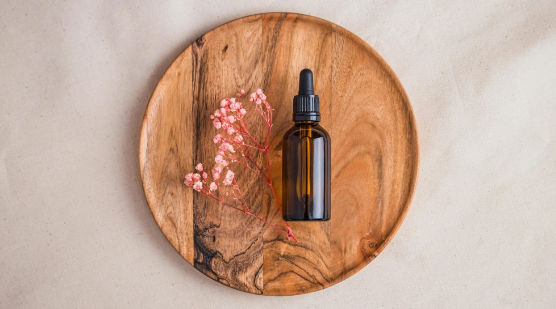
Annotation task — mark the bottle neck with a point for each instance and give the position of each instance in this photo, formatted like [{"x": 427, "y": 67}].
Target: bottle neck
[{"x": 306, "y": 123}]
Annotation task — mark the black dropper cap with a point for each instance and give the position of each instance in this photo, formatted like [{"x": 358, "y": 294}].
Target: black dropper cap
[{"x": 306, "y": 103}]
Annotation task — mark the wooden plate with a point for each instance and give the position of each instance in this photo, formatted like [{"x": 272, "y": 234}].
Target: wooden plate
[{"x": 374, "y": 153}]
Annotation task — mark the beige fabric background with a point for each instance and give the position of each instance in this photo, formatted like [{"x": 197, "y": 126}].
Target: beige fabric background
[{"x": 75, "y": 229}]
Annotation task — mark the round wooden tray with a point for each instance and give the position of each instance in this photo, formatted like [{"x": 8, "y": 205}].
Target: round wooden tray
[{"x": 374, "y": 153}]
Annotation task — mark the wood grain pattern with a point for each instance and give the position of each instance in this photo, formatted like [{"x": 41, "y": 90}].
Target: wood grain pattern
[{"x": 374, "y": 153}]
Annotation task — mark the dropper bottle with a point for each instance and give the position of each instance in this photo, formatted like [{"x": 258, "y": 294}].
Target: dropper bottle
[{"x": 306, "y": 159}]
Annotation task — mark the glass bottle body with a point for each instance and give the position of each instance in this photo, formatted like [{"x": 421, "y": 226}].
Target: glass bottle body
[{"x": 306, "y": 173}]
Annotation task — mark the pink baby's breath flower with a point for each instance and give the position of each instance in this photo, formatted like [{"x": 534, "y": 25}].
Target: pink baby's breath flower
[
  {"x": 235, "y": 106},
  {"x": 229, "y": 178},
  {"x": 188, "y": 179},
  {"x": 196, "y": 177},
  {"x": 227, "y": 147},
  {"x": 217, "y": 124},
  {"x": 198, "y": 186},
  {"x": 231, "y": 110},
  {"x": 218, "y": 159},
  {"x": 199, "y": 167}
]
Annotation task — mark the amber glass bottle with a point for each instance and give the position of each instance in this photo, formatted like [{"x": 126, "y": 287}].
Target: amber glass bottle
[{"x": 306, "y": 159}]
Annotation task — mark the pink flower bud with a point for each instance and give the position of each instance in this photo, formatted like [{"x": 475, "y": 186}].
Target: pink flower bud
[
  {"x": 218, "y": 158},
  {"x": 216, "y": 176},
  {"x": 223, "y": 103},
  {"x": 231, "y": 119},
  {"x": 217, "y": 124},
  {"x": 211, "y": 116},
  {"x": 242, "y": 91},
  {"x": 217, "y": 138},
  {"x": 196, "y": 177},
  {"x": 198, "y": 186},
  {"x": 199, "y": 167},
  {"x": 223, "y": 111},
  {"x": 217, "y": 113},
  {"x": 213, "y": 186},
  {"x": 231, "y": 130},
  {"x": 229, "y": 178},
  {"x": 188, "y": 179},
  {"x": 243, "y": 111},
  {"x": 258, "y": 101},
  {"x": 238, "y": 138},
  {"x": 205, "y": 175},
  {"x": 259, "y": 91}
]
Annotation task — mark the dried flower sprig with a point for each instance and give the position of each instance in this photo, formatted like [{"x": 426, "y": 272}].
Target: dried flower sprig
[{"x": 235, "y": 145}]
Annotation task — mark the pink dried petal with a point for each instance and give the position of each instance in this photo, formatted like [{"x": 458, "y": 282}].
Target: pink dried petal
[
  {"x": 243, "y": 111},
  {"x": 223, "y": 103},
  {"x": 259, "y": 91},
  {"x": 217, "y": 138},
  {"x": 231, "y": 130},
  {"x": 205, "y": 175}
]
